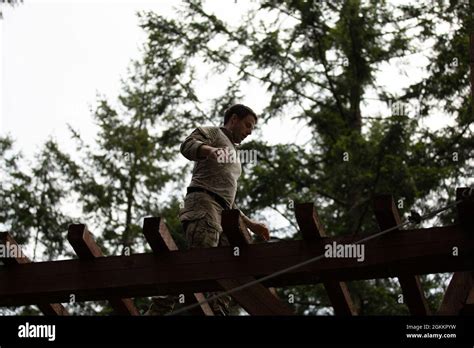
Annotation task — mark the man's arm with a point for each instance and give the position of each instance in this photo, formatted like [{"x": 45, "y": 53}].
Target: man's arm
[
  {"x": 256, "y": 227},
  {"x": 198, "y": 145}
]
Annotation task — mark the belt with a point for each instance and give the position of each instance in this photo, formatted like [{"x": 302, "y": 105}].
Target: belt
[{"x": 216, "y": 197}]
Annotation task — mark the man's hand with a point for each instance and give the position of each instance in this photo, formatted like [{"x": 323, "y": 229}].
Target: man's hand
[
  {"x": 259, "y": 229},
  {"x": 210, "y": 152}
]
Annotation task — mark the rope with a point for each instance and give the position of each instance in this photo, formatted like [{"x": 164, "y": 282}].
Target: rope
[{"x": 414, "y": 218}]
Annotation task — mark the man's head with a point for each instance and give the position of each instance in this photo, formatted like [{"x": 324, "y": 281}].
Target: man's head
[{"x": 240, "y": 120}]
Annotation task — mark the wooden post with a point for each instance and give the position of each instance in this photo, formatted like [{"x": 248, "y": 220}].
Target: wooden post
[
  {"x": 387, "y": 216},
  {"x": 465, "y": 210},
  {"x": 47, "y": 309},
  {"x": 457, "y": 298},
  {"x": 471, "y": 61},
  {"x": 83, "y": 243},
  {"x": 469, "y": 307},
  {"x": 161, "y": 242},
  {"x": 312, "y": 229},
  {"x": 256, "y": 299}
]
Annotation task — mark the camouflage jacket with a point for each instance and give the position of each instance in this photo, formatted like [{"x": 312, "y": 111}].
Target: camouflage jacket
[{"x": 216, "y": 176}]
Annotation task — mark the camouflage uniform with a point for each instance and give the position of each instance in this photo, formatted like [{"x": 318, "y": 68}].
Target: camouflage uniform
[
  {"x": 202, "y": 213},
  {"x": 220, "y": 178},
  {"x": 201, "y": 219}
]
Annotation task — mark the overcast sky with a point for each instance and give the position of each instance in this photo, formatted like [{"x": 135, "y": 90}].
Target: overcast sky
[{"x": 57, "y": 55}]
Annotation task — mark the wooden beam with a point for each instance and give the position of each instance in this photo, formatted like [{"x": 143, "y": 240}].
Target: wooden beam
[
  {"x": 471, "y": 61},
  {"x": 83, "y": 243},
  {"x": 161, "y": 242},
  {"x": 417, "y": 251},
  {"x": 456, "y": 295},
  {"x": 312, "y": 229},
  {"x": 234, "y": 228},
  {"x": 456, "y": 300},
  {"x": 309, "y": 223},
  {"x": 465, "y": 209},
  {"x": 413, "y": 295},
  {"x": 387, "y": 216},
  {"x": 51, "y": 309},
  {"x": 158, "y": 236},
  {"x": 256, "y": 299},
  {"x": 469, "y": 307}
]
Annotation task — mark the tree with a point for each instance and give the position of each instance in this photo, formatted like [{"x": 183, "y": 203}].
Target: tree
[
  {"x": 319, "y": 62},
  {"x": 32, "y": 204},
  {"x": 10, "y": 3}
]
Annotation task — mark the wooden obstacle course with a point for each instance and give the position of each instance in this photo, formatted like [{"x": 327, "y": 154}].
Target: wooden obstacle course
[{"x": 167, "y": 271}]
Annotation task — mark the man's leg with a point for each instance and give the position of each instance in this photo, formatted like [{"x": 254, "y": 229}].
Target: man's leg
[
  {"x": 224, "y": 303},
  {"x": 204, "y": 233},
  {"x": 203, "y": 230}
]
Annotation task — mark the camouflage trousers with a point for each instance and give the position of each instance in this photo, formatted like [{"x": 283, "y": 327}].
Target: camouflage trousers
[{"x": 201, "y": 221}]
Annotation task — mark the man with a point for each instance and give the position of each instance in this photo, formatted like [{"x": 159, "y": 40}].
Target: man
[
  {"x": 213, "y": 185},
  {"x": 214, "y": 182}
]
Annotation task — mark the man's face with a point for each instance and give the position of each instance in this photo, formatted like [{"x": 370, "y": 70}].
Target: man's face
[{"x": 242, "y": 127}]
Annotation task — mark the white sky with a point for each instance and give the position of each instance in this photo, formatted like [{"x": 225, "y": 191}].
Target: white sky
[{"x": 58, "y": 55}]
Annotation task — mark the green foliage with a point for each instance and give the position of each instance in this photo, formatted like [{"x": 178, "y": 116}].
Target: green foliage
[{"x": 33, "y": 200}]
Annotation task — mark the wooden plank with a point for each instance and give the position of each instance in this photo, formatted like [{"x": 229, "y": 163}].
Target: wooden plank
[
  {"x": 161, "y": 242},
  {"x": 308, "y": 221},
  {"x": 312, "y": 229},
  {"x": 457, "y": 298},
  {"x": 413, "y": 295},
  {"x": 387, "y": 216},
  {"x": 157, "y": 235},
  {"x": 465, "y": 210},
  {"x": 203, "y": 309},
  {"x": 83, "y": 243},
  {"x": 471, "y": 61},
  {"x": 51, "y": 309},
  {"x": 456, "y": 295},
  {"x": 469, "y": 306},
  {"x": 234, "y": 228},
  {"x": 256, "y": 299},
  {"x": 466, "y": 216},
  {"x": 417, "y": 251}
]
